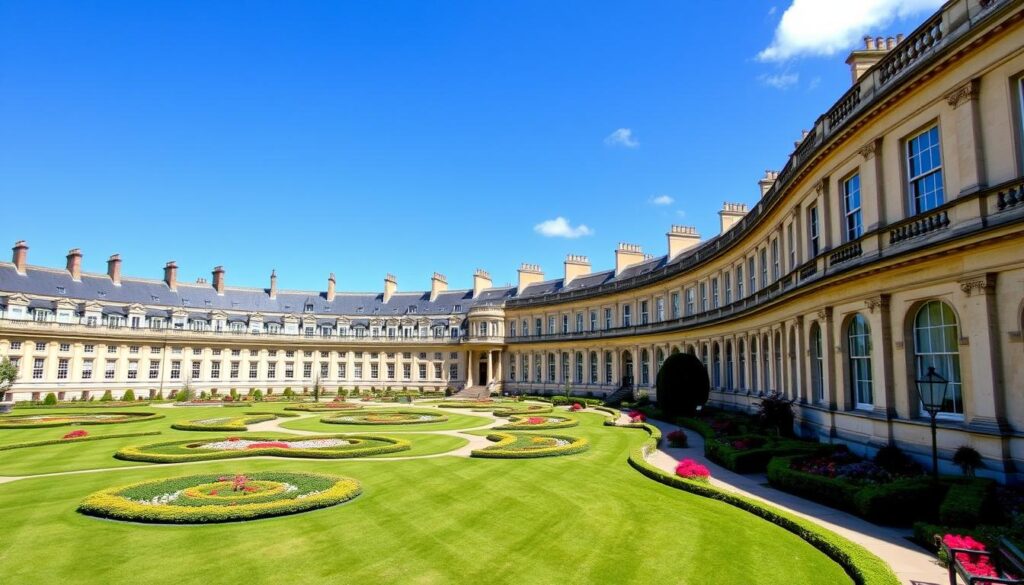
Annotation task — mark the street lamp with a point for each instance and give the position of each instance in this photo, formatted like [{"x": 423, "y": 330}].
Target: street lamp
[{"x": 932, "y": 391}]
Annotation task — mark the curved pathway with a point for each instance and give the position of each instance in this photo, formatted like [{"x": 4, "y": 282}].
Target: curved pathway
[{"x": 911, "y": 563}]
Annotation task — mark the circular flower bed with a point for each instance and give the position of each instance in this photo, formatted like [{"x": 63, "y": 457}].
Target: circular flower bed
[
  {"x": 32, "y": 421},
  {"x": 314, "y": 447},
  {"x": 225, "y": 423},
  {"x": 385, "y": 417},
  {"x": 525, "y": 446},
  {"x": 201, "y": 499},
  {"x": 324, "y": 406},
  {"x": 536, "y": 423},
  {"x": 504, "y": 411}
]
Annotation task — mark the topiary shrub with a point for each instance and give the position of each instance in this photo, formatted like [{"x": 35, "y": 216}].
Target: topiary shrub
[
  {"x": 50, "y": 400},
  {"x": 682, "y": 385},
  {"x": 775, "y": 412},
  {"x": 107, "y": 396},
  {"x": 968, "y": 459},
  {"x": 233, "y": 393},
  {"x": 129, "y": 394},
  {"x": 159, "y": 395},
  {"x": 257, "y": 395}
]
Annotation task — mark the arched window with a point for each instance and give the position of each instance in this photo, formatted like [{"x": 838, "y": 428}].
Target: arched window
[
  {"x": 778, "y": 362},
  {"x": 729, "y": 379},
  {"x": 645, "y": 367},
  {"x": 552, "y": 377},
  {"x": 659, "y": 357},
  {"x": 936, "y": 345},
  {"x": 817, "y": 364},
  {"x": 579, "y": 367},
  {"x": 766, "y": 365},
  {"x": 716, "y": 365},
  {"x": 593, "y": 367},
  {"x": 741, "y": 351},
  {"x": 753, "y": 364},
  {"x": 859, "y": 341}
]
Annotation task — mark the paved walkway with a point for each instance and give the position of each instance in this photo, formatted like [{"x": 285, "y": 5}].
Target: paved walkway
[{"x": 912, "y": 564}]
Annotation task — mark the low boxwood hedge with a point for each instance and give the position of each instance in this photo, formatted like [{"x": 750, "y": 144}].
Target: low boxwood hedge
[
  {"x": 133, "y": 502},
  {"x": 236, "y": 423},
  {"x": 365, "y": 417},
  {"x": 968, "y": 503},
  {"x": 754, "y": 459},
  {"x": 860, "y": 564},
  {"x": 516, "y": 446},
  {"x": 10, "y": 446},
  {"x": 13, "y": 421},
  {"x": 518, "y": 423},
  {"x": 179, "y": 451}
]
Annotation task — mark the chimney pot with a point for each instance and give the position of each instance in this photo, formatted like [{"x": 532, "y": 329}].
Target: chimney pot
[
  {"x": 481, "y": 281},
  {"x": 218, "y": 279},
  {"x": 390, "y": 286},
  {"x": 330, "y": 288},
  {"x": 438, "y": 284},
  {"x": 575, "y": 267},
  {"x": 528, "y": 274},
  {"x": 273, "y": 284},
  {"x": 171, "y": 275},
  {"x": 627, "y": 255},
  {"x": 114, "y": 269},
  {"x": 731, "y": 214},
  {"x": 75, "y": 264}
]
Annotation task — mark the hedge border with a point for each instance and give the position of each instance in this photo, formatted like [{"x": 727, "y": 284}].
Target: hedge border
[
  {"x": 438, "y": 418},
  {"x": 84, "y": 404},
  {"x": 107, "y": 504},
  {"x": 517, "y": 419},
  {"x": 863, "y": 566},
  {"x": 322, "y": 407},
  {"x": 135, "y": 453},
  {"x": 245, "y": 420},
  {"x": 498, "y": 450},
  {"x": 11, "y": 446},
  {"x": 135, "y": 417}
]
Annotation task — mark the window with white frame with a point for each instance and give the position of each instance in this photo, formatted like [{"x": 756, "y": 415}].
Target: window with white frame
[
  {"x": 727, "y": 280},
  {"x": 936, "y": 345},
  {"x": 714, "y": 293},
  {"x": 62, "y": 369},
  {"x": 739, "y": 282},
  {"x": 87, "y": 369},
  {"x": 851, "y": 207},
  {"x": 859, "y": 343},
  {"x": 659, "y": 309},
  {"x": 776, "y": 267},
  {"x": 133, "y": 370},
  {"x": 813, "y": 234},
  {"x": 791, "y": 246},
  {"x": 752, "y": 274},
  {"x": 924, "y": 170},
  {"x": 817, "y": 364}
]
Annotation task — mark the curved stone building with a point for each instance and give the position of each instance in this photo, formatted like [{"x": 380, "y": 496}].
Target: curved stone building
[{"x": 889, "y": 243}]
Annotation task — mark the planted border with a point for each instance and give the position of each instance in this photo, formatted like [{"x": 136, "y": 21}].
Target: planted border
[
  {"x": 64, "y": 420},
  {"x": 179, "y": 451},
  {"x": 521, "y": 423},
  {"x": 10, "y": 446},
  {"x": 365, "y": 417},
  {"x": 233, "y": 423},
  {"x": 312, "y": 491},
  {"x": 517, "y": 446},
  {"x": 324, "y": 407},
  {"x": 863, "y": 566}
]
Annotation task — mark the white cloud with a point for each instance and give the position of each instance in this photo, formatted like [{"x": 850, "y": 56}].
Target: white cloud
[
  {"x": 561, "y": 228},
  {"x": 780, "y": 80},
  {"x": 825, "y": 27},
  {"x": 663, "y": 200},
  {"x": 622, "y": 137}
]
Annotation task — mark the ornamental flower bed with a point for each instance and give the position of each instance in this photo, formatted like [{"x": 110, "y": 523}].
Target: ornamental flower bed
[
  {"x": 29, "y": 421},
  {"x": 525, "y": 446},
  {"x": 79, "y": 434},
  {"x": 536, "y": 423},
  {"x": 690, "y": 469},
  {"x": 314, "y": 447},
  {"x": 972, "y": 560},
  {"x": 324, "y": 406},
  {"x": 386, "y": 417},
  {"x": 225, "y": 423},
  {"x": 576, "y": 407},
  {"x": 211, "y": 498},
  {"x": 635, "y": 416}
]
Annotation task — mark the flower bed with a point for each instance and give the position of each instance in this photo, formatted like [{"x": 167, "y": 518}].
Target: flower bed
[
  {"x": 324, "y": 406},
  {"x": 385, "y": 417},
  {"x": 34, "y": 421},
  {"x": 525, "y": 446},
  {"x": 537, "y": 423},
  {"x": 310, "y": 447},
  {"x": 225, "y": 423},
  {"x": 507, "y": 411},
  {"x": 64, "y": 441},
  {"x": 690, "y": 469},
  {"x": 80, "y": 404},
  {"x": 201, "y": 499}
]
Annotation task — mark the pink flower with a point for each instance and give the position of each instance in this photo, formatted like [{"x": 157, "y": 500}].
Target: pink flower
[
  {"x": 690, "y": 469},
  {"x": 577, "y": 406},
  {"x": 535, "y": 420},
  {"x": 76, "y": 434},
  {"x": 269, "y": 445}
]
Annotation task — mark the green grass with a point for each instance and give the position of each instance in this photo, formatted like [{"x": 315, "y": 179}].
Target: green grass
[{"x": 584, "y": 518}]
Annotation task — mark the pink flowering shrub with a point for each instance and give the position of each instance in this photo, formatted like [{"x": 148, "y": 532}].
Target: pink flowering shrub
[
  {"x": 76, "y": 434},
  {"x": 576, "y": 406},
  {"x": 635, "y": 416},
  {"x": 269, "y": 445},
  {"x": 677, "y": 438},
  {"x": 690, "y": 469},
  {"x": 980, "y": 563}
]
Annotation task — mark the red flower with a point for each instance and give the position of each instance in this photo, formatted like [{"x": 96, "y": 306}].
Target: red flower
[
  {"x": 535, "y": 420},
  {"x": 269, "y": 445},
  {"x": 213, "y": 492},
  {"x": 232, "y": 438},
  {"x": 690, "y": 469},
  {"x": 577, "y": 406},
  {"x": 76, "y": 434}
]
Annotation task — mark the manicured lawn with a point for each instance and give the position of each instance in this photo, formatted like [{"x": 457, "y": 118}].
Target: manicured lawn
[
  {"x": 456, "y": 420},
  {"x": 585, "y": 518}
]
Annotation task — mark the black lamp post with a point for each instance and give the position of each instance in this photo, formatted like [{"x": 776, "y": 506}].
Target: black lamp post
[{"x": 932, "y": 391}]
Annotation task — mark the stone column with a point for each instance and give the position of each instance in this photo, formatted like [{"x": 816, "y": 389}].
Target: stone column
[
  {"x": 490, "y": 368},
  {"x": 970, "y": 158},
  {"x": 469, "y": 368},
  {"x": 984, "y": 394}
]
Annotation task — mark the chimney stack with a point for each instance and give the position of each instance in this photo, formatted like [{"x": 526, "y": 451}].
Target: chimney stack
[
  {"x": 20, "y": 256},
  {"x": 75, "y": 264},
  {"x": 438, "y": 284},
  {"x": 114, "y": 269},
  {"x": 575, "y": 267},
  {"x": 390, "y": 286},
  {"x": 731, "y": 213},
  {"x": 481, "y": 281},
  {"x": 171, "y": 275},
  {"x": 874, "y": 49},
  {"x": 528, "y": 274},
  {"x": 766, "y": 182},
  {"x": 330, "y": 288},
  {"x": 218, "y": 279},
  {"x": 680, "y": 239},
  {"x": 273, "y": 284},
  {"x": 627, "y": 255}
]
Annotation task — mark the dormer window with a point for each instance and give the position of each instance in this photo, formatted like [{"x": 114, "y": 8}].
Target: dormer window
[
  {"x": 60, "y": 290},
  {"x": 154, "y": 298},
  {"x": 412, "y": 308},
  {"x": 207, "y": 302},
  {"x": 458, "y": 308},
  {"x": 309, "y": 307}
]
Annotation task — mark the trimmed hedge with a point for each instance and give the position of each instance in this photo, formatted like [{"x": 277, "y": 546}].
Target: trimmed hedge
[
  {"x": 968, "y": 503},
  {"x": 152, "y": 453},
  {"x": 754, "y": 459},
  {"x": 132, "y": 417},
  {"x": 504, "y": 448},
  {"x": 860, "y": 564},
  {"x": 506, "y": 411},
  {"x": 10, "y": 446},
  {"x": 82, "y": 404},
  {"x": 517, "y": 423},
  {"x": 238, "y": 423},
  {"x": 324, "y": 407},
  {"x": 317, "y": 491},
  {"x": 435, "y": 417}
]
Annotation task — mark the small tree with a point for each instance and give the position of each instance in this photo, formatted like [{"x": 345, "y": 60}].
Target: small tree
[
  {"x": 968, "y": 459},
  {"x": 50, "y": 400},
  {"x": 682, "y": 385},
  {"x": 107, "y": 396},
  {"x": 257, "y": 395},
  {"x": 129, "y": 394},
  {"x": 8, "y": 374},
  {"x": 316, "y": 390},
  {"x": 776, "y": 412}
]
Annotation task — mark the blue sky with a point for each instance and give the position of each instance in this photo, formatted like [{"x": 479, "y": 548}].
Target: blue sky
[{"x": 408, "y": 137}]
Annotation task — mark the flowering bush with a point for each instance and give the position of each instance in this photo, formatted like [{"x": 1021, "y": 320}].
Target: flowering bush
[
  {"x": 690, "y": 469},
  {"x": 635, "y": 416},
  {"x": 979, "y": 564},
  {"x": 845, "y": 465},
  {"x": 76, "y": 434},
  {"x": 576, "y": 406},
  {"x": 677, "y": 438}
]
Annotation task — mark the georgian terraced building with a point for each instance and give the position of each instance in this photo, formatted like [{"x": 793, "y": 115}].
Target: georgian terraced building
[{"x": 891, "y": 241}]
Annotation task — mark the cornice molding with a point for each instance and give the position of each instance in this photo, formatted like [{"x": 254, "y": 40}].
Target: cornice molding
[{"x": 963, "y": 94}]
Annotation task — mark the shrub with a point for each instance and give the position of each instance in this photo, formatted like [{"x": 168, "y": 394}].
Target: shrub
[
  {"x": 181, "y": 396},
  {"x": 129, "y": 394},
  {"x": 892, "y": 459},
  {"x": 10, "y": 446},
  {"x": 690, "y": 469},
  {"x": 900, "y": 502},
  {"x": 257, "y": 395},
  {"x": 233, "y": 393},
  {"x": 775, "y": 412},
  {"x": 677, "y": 439},
  {"x": 107, "y": 396},
  {"x": 50, "y": 400},
  {"x": 159, "y": 395},
  {"x": 968, "y": 459},
  {"x": 967, "y": 503},
  {"x": 448, "y": 391},
  {"x": 682, "y": 385}
]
